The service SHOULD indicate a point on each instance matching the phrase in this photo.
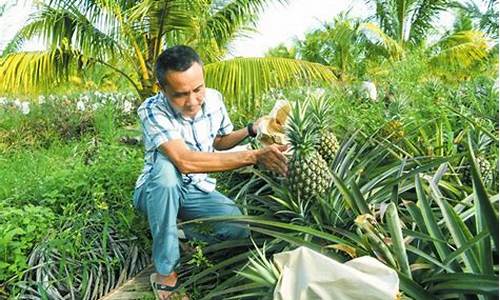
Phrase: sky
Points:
(284, 23)
(277, 24)
(15, 16)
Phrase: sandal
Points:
(167, 288)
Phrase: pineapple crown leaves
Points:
(397, 107)
(302, 129)
(260, 269)
(322, 112)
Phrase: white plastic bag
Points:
(271, 129)
(308, 275)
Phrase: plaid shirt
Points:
(162, 123)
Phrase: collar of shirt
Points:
(178, 115)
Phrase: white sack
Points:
(308, 275)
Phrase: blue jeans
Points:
(164, 197)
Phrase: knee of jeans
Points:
(234, 232)
(229, 208)
(165, 174)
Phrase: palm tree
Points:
(344, 44)
(337, 44)
(407, 21)
(126, 37)
(404, 24)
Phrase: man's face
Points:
(186, 89)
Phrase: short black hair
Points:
(177, 58)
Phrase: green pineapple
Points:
(328, 144)
(308, 174)
(393, 130)
(485, 170)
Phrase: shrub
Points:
(20, 230)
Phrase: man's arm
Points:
(228, 141)
(188, 161)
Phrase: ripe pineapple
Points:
(308, 174)
(328, 144)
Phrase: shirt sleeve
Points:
(226, 126)
(157, 125)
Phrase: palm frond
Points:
(243, 80)
(486, 21)
(39, 70)
(23, 71)
(229, 21)
(461, 49)
(407, 20)
(375, 34)
(403, 9)
(159, 18)
(422, 17)
(57, 26)
(385, 16)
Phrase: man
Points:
(182, 126)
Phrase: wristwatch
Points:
(250, 130)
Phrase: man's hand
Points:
(272, 158)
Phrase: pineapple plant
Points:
(328, 144)
(485, 169)
(393, 130)
(308, 174)
(483, 148)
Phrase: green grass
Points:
(57, 179)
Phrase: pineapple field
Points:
(421, 197)
(393, 148)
